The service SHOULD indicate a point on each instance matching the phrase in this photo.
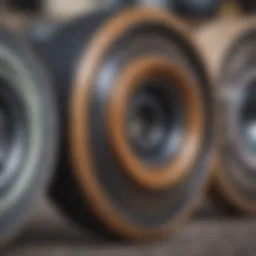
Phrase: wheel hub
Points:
(154, 121)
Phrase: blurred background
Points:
(197, 9)
(210, 232)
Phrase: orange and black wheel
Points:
(233, 67)
(137, 121)
(28, 132)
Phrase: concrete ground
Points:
(208, 234)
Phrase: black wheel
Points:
(137, 122)
(28, 132)
(234, 179)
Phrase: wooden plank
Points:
(49, 234)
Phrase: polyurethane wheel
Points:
(229, 47)
(28, 132)
(137, 121)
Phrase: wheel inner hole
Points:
(144, 125)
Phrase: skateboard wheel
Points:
(232, 63)
(137, 121)
(28, 132)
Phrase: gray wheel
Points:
(229, 48)
(236, 163)
(28, 132)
